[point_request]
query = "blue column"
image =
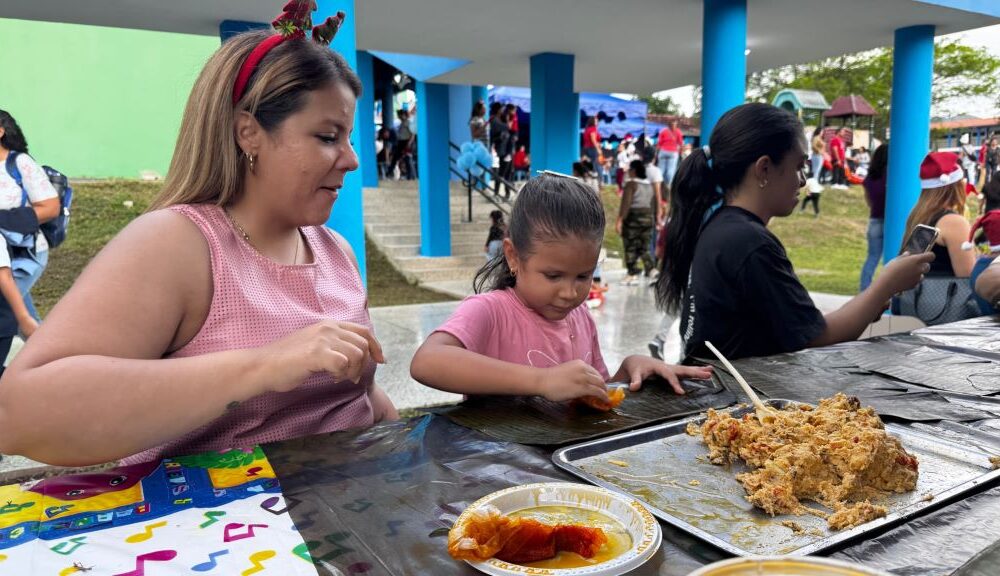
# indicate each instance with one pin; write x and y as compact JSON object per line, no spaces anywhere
{"x":347,"y":217}
{"x":230,"y":28}
{"x":723,"y":60}
{"x":481,"y":93}
{"x":909,"y":125}
{"x":364,"y":126}
{"x":432,"y":165}
{"x":555,"y":113}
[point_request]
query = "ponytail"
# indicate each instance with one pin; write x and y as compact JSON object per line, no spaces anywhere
{"x":708,"y":176}
{"x":693,"y":193}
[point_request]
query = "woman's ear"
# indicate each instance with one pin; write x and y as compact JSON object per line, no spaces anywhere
{"x":510,"y":255}
{"x":248,"y":133}
{"x":762,"y":171}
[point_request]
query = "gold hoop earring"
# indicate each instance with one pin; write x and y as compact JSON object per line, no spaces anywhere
{"x":253,"y":162}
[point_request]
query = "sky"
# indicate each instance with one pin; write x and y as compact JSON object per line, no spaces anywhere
{"x":988,"y":37}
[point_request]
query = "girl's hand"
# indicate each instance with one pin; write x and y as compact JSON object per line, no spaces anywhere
{"x":28,"y":325}
{"x":341,"y":349}
{"x":570,"y":381}
{"x":638,"y":368}
{"x":905,"y":272}
{"x":618,"y":226}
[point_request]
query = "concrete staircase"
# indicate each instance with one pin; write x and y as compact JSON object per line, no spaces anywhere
{"x":392,"y":221}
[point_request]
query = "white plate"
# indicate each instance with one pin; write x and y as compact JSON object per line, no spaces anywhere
{"x":640,"y":524}
{"x":786,"y":566}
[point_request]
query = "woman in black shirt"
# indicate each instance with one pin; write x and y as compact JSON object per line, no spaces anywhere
{"x":725,"y":273}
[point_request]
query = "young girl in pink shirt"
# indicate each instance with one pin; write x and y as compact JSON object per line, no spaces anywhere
{"x":527,"y":330}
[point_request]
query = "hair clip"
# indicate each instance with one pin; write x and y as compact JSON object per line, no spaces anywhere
{"x":557,"y":174}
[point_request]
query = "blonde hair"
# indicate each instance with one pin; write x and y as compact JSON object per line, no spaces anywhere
{"x":208,"y":165}
{"x":934,"y":201}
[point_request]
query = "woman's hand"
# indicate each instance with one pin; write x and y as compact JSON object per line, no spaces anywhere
{"x":638,"y":368}
{"x":904,"y":272}
{"x":618,"y":226}
{"x":341,"y":349}
{"x":569,"y":381}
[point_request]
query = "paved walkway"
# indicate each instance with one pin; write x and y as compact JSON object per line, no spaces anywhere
{"x":625,"y":323}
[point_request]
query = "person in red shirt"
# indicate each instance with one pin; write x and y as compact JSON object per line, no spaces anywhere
{"x":592,"y":147}
{"x":838,"y":159}
{"x":522,"y":164}
{"x":668,"y":151}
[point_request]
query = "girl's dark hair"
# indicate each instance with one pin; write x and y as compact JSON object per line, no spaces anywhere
{"x":478,"y":109}
{"x":13,"y":138}
{"x":547,"y":208}
{"x":991,"y":192}
{"x":496,"y":216}
{"x":638,"y":168}
{"x":742,"y":136}
{"x":880,"y":160}
{"x":495,"y":108}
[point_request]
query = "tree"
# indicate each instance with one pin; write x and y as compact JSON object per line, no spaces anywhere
{"x":659,"y":105}
{"x":960,"y":72}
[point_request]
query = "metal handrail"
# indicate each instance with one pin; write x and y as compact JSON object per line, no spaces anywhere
{"x":472,"y":181}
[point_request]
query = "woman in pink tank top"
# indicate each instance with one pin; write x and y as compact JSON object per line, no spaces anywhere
{"x":228,"y":315}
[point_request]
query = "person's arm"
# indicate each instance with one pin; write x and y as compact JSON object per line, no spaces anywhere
{"x":658,"y":198}
{"x":43,"y":196}
{"x":593,"y":140}
{"x":11,"y":293}
{"x":988,"y":284}
{"x":954,"y":232}
{"x":851,"y":319}
{"x":101,"y":351}
{"x":442,"y":362}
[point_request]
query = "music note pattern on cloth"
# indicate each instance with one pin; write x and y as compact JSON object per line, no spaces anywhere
{"x":257,"y":559}
{"x":173,"y":519}
{"x":141,"y":559}
{"x":146,"y":534}
{"x":211,"y":564}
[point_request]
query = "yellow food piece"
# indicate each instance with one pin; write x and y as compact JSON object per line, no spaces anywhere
{"x":837,"y":454}
{"x":618,"y":463}
{"x":694,"y":483}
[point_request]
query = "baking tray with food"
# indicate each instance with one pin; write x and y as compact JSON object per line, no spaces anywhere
{"x":670,"y":470}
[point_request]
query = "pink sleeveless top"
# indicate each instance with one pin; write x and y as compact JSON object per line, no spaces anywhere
{"x":256,"y":301}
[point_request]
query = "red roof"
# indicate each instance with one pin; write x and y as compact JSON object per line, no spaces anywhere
{"x":849,"y":106}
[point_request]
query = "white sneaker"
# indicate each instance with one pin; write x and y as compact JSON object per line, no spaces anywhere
{"x":629,"y":281}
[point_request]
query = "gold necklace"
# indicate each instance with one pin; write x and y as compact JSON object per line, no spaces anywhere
{"x":246,"y":237}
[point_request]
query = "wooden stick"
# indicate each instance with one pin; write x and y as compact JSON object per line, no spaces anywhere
{"x":739,"y":378}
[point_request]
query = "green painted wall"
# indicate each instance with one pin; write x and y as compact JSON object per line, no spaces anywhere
{"x":95,"y":101}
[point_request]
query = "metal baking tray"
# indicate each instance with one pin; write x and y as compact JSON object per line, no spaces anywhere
{"x":660,"y":466}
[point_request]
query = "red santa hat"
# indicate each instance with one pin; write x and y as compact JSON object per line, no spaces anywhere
{"x":940,"y":169}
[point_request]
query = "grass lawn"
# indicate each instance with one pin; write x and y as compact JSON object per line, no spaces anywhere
{"x":827,"y":252}
{"x":99,"y":213}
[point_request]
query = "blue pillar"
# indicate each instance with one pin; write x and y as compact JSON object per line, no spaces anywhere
{"x":432,"y":165}
{"x":459,"y":112}
{"x":481,"y":93}
{"x":230,"y":28}
{"x":723,"y":60}
{"x":555,"y":113}
{"x":347,"y":217}
{"x":909,"y":125}
{"x":364,"y":126}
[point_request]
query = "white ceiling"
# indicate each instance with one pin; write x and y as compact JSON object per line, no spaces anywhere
{"x":635,"y":46}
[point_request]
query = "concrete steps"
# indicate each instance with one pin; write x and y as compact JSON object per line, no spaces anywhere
{"x":392,"y":220}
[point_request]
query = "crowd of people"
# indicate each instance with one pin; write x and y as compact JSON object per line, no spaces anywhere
{"x":232,"y":309}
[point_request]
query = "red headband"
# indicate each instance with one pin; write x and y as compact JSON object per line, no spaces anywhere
{"x":291,"y":24}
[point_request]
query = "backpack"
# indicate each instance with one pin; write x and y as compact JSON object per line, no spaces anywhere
{"x":55,"y":229}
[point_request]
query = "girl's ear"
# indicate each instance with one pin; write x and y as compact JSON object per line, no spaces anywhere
{"x":510,"y":255}
{"x":762,"y":170}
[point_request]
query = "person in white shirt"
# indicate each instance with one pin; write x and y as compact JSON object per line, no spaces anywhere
{"x":40,"y":195}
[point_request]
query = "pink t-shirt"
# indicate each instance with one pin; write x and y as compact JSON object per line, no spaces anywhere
{"x":499,"y":325}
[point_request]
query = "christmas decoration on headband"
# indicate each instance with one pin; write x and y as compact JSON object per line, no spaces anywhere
{"x":292,"y":24}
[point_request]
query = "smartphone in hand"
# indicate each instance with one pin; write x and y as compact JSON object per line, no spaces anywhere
{"x":921,"y":239}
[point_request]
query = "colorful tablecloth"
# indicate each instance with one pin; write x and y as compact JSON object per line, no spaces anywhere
{"x":210,"y":513}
